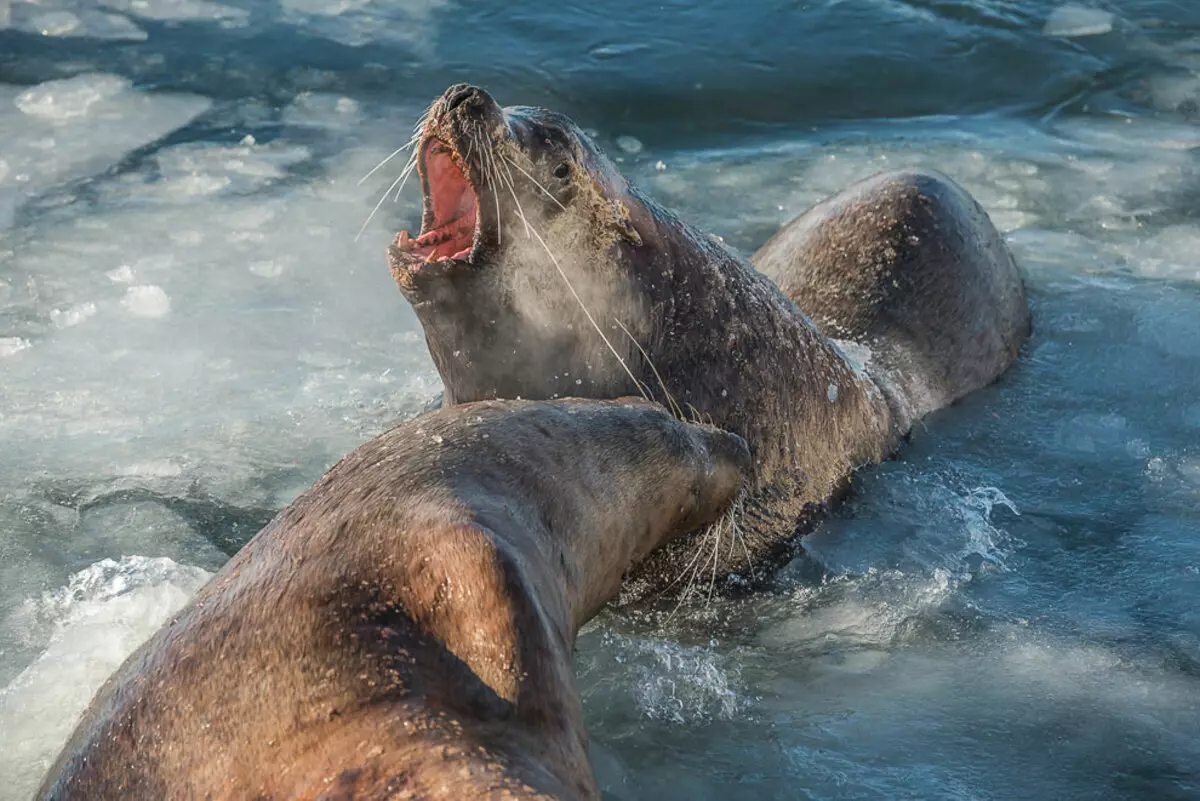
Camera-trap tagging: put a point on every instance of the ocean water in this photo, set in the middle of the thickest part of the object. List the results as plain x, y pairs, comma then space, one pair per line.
190, 333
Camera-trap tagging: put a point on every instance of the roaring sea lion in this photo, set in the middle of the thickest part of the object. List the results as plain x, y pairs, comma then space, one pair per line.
542, 272
405, 628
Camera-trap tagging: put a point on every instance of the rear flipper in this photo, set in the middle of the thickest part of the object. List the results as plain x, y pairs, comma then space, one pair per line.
908, 268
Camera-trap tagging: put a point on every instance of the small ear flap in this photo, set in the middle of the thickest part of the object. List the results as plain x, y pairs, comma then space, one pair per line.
625, 224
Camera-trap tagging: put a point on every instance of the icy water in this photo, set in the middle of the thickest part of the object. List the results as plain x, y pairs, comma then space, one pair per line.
190, 334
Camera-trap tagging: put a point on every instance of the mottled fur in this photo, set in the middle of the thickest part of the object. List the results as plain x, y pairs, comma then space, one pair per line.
405, 628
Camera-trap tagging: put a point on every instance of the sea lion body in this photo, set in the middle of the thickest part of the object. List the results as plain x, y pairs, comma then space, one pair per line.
575, 282
405, 628
908, 268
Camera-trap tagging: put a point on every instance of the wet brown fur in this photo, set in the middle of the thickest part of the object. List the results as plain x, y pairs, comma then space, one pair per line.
405, 628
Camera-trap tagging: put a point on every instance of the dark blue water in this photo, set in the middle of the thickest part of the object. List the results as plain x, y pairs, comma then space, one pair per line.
190, 334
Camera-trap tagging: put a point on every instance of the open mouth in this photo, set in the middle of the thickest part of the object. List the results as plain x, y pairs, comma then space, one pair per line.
451, 218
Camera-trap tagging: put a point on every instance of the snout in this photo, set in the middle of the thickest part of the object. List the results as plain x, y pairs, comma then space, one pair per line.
463, 101
732, 451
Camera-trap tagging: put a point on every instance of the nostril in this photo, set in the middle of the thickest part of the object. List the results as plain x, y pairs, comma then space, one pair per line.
459, 94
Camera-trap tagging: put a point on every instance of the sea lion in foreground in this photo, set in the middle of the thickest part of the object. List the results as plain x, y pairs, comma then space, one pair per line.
542, 272
405, 628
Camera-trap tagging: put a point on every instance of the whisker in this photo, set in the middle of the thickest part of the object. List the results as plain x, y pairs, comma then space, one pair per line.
513, 191
712, 583
531, 231
687, 590
399, 181
535, 182
416, 138
494, 183
408, 169
584, 307
676, 409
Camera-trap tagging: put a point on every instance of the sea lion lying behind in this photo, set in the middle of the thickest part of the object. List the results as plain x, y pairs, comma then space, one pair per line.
405, 628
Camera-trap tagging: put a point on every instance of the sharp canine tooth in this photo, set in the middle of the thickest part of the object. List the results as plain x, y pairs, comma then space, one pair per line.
404, 241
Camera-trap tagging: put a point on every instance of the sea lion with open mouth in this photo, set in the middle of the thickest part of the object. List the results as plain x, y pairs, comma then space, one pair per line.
542, 272
405, 628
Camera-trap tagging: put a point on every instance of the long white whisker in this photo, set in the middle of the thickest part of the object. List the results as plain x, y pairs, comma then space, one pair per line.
513, 191
408, 170
416, 138
587, 313
493, 174
687, 590
676, 409
399, 181
717, 529
535, 183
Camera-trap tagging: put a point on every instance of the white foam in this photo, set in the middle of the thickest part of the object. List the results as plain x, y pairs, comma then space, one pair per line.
98, 619
11, 346
73, 315
1168, 253
121, 275
676, 683
146, 300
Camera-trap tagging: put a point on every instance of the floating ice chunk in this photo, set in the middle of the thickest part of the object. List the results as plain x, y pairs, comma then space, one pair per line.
98, 619
629, 144
174, 10
71, 97
70, 20
201, 169
267, 269
56, 23
146, 300
1174, 92
323, 110
10, 346
324, 8
121, 275
66, 128
65, 318
1074, 21
162, 468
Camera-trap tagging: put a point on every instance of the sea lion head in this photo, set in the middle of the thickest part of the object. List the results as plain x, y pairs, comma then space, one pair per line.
519, 275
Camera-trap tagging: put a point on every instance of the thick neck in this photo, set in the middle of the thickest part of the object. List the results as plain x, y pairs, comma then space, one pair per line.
730, 346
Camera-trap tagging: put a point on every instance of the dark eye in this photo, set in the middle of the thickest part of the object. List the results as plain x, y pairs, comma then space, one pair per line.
562, 170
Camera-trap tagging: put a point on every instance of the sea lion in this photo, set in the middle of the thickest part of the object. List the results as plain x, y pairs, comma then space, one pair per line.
542, 272
883, 265
405, 628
